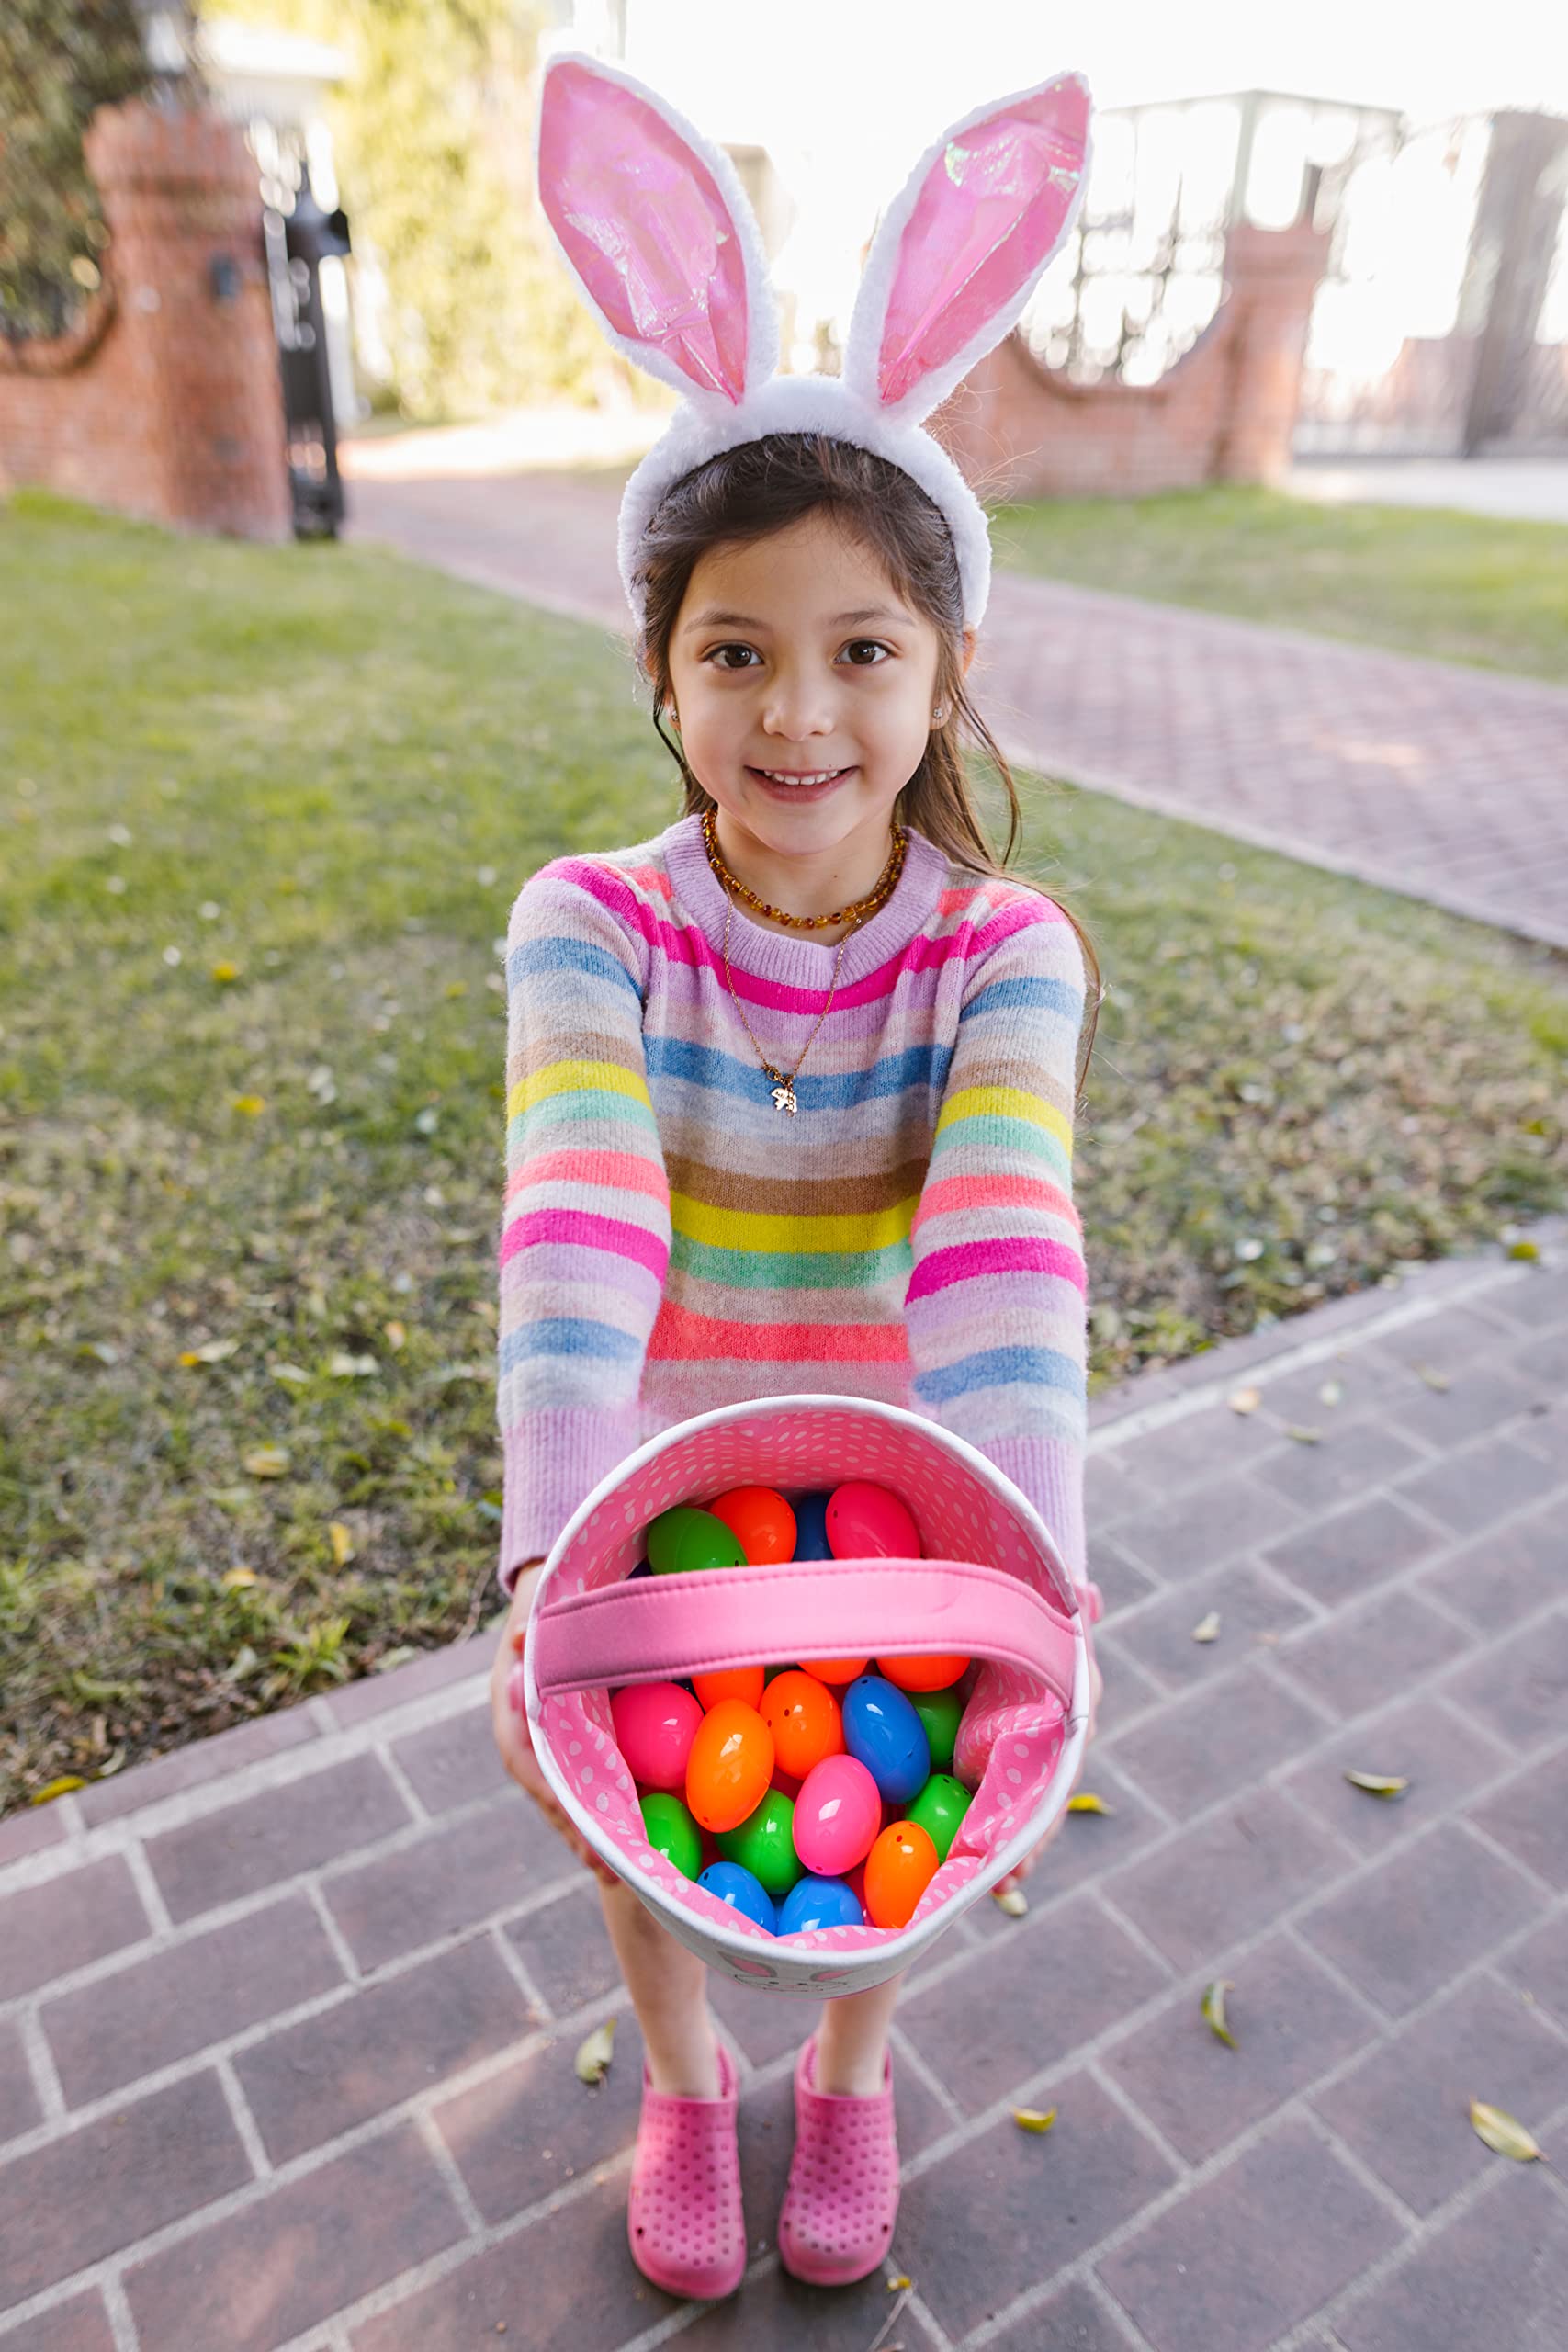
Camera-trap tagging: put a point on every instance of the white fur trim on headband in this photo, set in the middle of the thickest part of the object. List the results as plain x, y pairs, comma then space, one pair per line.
805, 404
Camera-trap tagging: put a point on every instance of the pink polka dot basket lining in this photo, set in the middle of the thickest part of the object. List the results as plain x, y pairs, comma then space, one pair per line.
1014, 1749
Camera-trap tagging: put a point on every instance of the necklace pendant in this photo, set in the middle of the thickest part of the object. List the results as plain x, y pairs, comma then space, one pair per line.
784, 1098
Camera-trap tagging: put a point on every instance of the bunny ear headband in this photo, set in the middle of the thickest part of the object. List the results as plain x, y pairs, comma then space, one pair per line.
654, 225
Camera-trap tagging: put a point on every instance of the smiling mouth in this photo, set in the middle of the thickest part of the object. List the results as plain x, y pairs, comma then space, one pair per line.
800, 776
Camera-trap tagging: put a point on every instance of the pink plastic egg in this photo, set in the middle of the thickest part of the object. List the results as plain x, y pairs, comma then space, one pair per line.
867, 1523
837, 1815
655, 1725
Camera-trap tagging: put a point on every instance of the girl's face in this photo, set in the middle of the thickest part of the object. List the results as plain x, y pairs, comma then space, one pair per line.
794, 654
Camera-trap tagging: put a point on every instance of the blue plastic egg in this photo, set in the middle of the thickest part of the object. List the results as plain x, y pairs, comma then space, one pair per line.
819, 1903
735, 1886
811, 1525
885, 1734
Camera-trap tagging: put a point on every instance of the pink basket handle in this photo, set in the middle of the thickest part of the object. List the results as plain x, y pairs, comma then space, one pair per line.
661, 1628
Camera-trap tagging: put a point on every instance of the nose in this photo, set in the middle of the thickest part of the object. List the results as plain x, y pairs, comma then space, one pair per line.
798, 710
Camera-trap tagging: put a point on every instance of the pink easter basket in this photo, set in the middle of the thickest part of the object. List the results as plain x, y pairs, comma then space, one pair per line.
991, 1586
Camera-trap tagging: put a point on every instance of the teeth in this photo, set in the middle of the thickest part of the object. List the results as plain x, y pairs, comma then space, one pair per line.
776, 776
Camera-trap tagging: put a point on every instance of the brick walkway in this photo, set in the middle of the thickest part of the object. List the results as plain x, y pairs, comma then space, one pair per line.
287, 2019
1445, 783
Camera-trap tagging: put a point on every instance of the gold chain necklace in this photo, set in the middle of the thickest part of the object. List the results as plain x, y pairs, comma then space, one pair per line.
886, 882
783, 1083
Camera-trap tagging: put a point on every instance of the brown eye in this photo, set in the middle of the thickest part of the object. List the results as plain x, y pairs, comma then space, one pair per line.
875, 646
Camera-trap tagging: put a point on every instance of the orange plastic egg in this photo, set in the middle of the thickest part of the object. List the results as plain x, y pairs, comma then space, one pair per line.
834, 1670
933, 1673
804, 1719
761, 1522
898, 1869
743, 1682
729, 1766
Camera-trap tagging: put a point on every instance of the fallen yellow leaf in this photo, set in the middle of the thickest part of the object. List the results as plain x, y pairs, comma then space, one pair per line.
67, 1781
1376, 1784
1207, 1629
1213, 2009
343, 1543
1244, 1400
250, 1105
266, 1462
1030, 2118
593, 2057
1084, 1801
213, 1353
1015, 1902
396, 1335
236, 1579
1503, 2132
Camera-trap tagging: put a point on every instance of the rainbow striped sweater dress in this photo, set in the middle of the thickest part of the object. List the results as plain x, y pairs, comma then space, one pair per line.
672, 1241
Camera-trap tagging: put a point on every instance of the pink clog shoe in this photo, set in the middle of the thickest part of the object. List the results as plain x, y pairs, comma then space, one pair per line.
837, 2219
685, 2223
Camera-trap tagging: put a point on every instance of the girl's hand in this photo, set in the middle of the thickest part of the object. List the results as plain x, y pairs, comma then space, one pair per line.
511, 1726
1021, 1869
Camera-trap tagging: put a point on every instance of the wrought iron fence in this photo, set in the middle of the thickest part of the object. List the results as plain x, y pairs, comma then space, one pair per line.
1441, 326
1144, 272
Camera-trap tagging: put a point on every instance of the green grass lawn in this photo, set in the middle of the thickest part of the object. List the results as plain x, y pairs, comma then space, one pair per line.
1459, 587
264, 811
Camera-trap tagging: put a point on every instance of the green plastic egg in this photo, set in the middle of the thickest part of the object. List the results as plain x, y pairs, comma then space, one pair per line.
672, 1832
940, 1808
764, 1844
684, 1539
939, 1711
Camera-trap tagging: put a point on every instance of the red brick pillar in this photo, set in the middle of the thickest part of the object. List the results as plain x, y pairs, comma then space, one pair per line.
202, 434
1273, 275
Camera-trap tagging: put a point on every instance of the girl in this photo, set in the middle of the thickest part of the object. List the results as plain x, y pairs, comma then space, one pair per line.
790, 1097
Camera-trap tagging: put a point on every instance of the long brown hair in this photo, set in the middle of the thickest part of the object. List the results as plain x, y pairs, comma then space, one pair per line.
764, 486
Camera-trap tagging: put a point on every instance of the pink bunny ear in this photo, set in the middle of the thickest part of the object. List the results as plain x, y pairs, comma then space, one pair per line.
959, 253
654, 224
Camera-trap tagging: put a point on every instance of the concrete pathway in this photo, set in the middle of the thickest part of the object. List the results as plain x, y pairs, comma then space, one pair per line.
286, 2019
1445, 783
1522, 490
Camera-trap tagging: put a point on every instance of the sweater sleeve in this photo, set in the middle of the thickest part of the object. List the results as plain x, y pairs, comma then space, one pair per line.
996, 1300
585, 1235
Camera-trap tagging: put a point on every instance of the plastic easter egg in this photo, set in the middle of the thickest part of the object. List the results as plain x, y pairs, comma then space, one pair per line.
803, 1715
933, 1672
940, 1808
819, 1903
730, 1765
811, 1525
764, 1844
837, 1815
883, 1730
730, 1682
684, 1539
834, 1670
867, 1523
898, 1869
655, 1725
735, 1886
761, 1521
941, 1712
672, 1832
